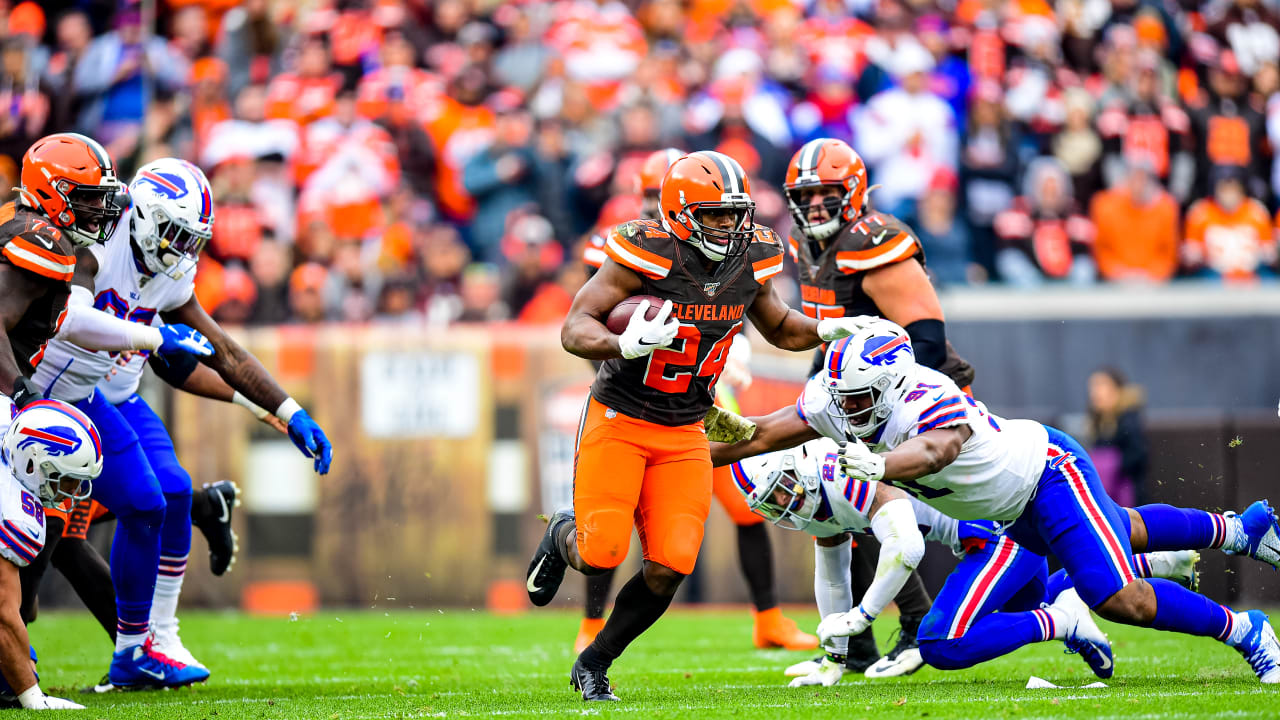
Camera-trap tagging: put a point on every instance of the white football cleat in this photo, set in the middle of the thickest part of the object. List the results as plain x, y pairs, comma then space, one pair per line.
1083, 634
168, 643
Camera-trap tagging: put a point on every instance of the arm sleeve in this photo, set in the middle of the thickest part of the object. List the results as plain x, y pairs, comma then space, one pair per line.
901, 548
96, 330
174, 369
833, 585
929, 341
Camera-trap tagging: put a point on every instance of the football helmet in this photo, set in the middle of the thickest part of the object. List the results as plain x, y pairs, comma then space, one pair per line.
826, 161
49, 441
874, 362
172, 215
708, 181
71, 179
784, 487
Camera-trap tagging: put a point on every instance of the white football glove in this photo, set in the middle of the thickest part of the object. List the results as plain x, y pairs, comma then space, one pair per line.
33, 699
644, 336
727, 427
835, 328
827, 674
843, 625
859, 462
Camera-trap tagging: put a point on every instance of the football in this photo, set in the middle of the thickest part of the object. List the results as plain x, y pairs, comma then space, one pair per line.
621, 313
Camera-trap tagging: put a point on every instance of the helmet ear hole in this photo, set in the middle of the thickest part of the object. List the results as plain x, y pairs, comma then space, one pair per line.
31, 466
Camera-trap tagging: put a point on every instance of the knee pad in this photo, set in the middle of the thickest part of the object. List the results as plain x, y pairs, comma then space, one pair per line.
678, 548
604, 536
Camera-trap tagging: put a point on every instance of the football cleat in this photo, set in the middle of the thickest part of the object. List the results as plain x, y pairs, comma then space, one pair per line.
587, 632
903, 659
1183, 569
168, 643
546, 569
213, 517
104, 686
862, 654
594, 684
773, 629
1260, 648
144, 666
1262, 532
1083, 634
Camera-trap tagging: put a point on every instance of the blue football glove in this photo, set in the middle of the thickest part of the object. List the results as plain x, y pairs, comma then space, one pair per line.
311, 440
179, 338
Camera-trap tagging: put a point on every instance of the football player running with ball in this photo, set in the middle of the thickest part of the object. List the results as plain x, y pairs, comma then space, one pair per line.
643, 458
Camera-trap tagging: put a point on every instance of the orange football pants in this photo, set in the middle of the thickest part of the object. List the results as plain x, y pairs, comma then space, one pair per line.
631, 472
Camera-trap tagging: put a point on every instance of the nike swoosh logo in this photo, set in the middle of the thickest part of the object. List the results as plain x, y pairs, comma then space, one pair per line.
1106, 663
879, 238
226, 511
529, 583
642, 342
152, 673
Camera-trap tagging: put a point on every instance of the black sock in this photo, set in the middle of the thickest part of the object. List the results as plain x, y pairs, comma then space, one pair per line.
202, 507
598, 594
913, 602
634, 610
755, 556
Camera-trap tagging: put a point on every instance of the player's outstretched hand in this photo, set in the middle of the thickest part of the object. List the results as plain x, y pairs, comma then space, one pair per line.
859, 463
644, 336
843, 625
184, 339
827, 674
57, 703
727, 427
311, 440
835, 328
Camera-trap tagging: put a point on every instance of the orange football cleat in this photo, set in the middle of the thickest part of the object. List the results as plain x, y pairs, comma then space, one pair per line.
773, 629
586, 633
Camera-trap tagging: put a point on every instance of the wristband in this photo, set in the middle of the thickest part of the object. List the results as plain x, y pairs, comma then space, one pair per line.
249, 405
865, 614
32, 698
287, 410
145, 337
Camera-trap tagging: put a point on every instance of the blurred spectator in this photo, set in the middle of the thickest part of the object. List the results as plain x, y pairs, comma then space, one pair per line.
1137, 228
310, 91
557, 196
239, 296
1044, 236
534, 257
945, 239
1228, 130
251, 43
1036, 79
117, 77
523, 58
1147, 121
269, 268
1251, 29
1118, 442
988, 168
459, 127
306, 292
906, 133
1229, 235
501, 178
21, 94
1078, 146
74, 34
238, 226
249, 133
481, 295
443, 258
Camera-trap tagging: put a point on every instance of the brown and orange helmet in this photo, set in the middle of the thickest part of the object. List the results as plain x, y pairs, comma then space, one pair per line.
708, 180
826, 161
71, 179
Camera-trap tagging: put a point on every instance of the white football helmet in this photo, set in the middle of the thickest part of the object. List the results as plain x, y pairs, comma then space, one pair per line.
783, 487
873, 362
49, 441
172, 215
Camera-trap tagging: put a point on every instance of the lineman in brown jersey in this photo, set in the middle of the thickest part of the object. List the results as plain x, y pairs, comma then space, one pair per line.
853, 261
69, 198
642, 458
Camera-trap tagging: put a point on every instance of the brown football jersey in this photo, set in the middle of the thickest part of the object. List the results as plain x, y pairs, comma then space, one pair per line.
831, 278
675, 385
29, 243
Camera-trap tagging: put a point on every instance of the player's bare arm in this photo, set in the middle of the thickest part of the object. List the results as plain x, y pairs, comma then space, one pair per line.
233, 363
15, 660
925, 454
583, 332
780, 324
778, 430
18, 290
903, 292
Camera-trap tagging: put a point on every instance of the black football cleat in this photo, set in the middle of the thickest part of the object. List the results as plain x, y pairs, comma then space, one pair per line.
546, 569
594, 684
211, 512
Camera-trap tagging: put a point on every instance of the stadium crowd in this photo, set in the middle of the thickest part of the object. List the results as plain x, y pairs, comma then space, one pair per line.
443, 161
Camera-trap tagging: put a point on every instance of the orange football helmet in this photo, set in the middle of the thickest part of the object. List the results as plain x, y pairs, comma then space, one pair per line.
826, 161
652, 171
71, 179
698, 185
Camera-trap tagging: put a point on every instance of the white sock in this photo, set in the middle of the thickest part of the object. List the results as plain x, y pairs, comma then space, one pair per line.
164, 604
1240, 628
1061, 621
126, 641
1237, 539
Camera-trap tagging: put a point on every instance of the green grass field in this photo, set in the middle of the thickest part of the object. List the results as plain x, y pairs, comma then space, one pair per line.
693, 663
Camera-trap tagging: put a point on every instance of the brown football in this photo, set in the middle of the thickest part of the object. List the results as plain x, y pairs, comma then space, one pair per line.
621, 313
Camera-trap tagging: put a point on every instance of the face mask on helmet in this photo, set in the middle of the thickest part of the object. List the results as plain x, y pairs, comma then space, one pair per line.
723, 230
834, 200
788, 499
168, 246
53, 454
97, 210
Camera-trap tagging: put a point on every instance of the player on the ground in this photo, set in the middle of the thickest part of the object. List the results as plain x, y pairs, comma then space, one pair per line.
144, 274
805, 489
770, 628
50, 453
642, 457
853, 260
905, 424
